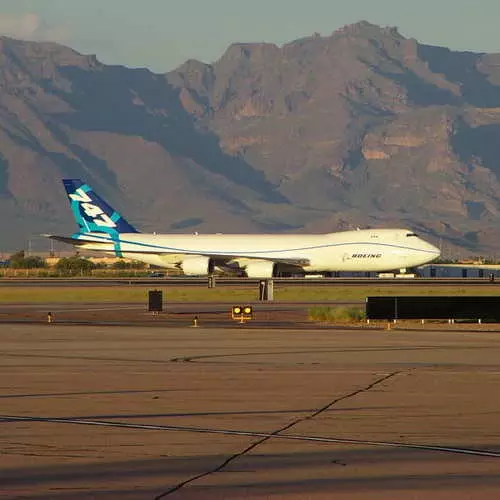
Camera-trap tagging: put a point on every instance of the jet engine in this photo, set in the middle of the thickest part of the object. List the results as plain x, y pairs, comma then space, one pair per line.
260, 269
197, 266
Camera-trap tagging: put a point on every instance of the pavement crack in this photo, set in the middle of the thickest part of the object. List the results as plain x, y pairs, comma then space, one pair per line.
263, 440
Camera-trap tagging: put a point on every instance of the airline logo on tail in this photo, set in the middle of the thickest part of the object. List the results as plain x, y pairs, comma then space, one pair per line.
92, 211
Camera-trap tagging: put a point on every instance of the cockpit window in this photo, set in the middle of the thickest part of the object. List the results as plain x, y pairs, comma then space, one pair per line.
409, 235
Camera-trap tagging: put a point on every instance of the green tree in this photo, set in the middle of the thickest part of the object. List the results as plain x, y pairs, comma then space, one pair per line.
16, 259
122, 264
34, 262
75, 265
20, 261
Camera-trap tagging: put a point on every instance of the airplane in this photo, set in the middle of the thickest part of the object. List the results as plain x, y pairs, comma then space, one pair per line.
103, 229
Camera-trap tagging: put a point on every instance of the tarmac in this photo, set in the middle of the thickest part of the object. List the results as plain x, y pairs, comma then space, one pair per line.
113, 412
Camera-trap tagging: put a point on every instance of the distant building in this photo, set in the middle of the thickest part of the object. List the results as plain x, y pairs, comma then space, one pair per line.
459, 270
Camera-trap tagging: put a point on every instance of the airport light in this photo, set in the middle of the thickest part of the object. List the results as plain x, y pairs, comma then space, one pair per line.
242, 313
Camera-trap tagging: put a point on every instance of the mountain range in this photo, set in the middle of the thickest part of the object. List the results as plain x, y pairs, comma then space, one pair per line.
363, 128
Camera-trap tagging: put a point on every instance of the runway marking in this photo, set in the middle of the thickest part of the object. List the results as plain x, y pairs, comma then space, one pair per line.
278, 434
83, 358
84, 393
263, 436
133, 307
203, 357
230, 432
215, 357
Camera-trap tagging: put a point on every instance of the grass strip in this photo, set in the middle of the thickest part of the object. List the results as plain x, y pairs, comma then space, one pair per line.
337, 314
235, 294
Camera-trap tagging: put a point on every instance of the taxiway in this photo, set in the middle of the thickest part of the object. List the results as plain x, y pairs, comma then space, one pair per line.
100, 412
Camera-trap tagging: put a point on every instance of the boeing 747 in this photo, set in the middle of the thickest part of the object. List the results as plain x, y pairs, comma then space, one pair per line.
103, 229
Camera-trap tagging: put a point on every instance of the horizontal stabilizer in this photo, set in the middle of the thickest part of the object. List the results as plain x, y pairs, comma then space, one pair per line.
65, 239
96, 245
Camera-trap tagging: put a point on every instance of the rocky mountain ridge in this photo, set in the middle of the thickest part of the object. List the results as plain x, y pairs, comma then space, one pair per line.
363, 127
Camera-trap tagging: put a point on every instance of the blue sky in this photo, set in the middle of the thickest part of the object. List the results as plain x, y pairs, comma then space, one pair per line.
161, 34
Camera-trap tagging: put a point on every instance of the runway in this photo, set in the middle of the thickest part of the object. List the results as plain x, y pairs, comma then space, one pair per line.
148, 413
243, 282
293, 315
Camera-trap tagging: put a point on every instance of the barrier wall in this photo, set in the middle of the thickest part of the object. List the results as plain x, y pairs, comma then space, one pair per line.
439, 307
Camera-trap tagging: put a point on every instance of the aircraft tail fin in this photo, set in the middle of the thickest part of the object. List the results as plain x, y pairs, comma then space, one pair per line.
91, 212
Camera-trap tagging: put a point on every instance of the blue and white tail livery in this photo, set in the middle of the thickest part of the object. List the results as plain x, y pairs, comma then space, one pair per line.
91, 212
103, 229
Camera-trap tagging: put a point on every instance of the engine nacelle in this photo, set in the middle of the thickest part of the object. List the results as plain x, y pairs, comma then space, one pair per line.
260, 269
197, 266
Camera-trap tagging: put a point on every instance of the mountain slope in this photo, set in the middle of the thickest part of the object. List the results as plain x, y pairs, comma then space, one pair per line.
363, 127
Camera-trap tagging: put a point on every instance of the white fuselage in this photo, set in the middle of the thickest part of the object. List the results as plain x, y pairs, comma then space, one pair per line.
362, 250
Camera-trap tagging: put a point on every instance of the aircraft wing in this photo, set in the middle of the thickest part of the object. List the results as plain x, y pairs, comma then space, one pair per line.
218, 258
242, 259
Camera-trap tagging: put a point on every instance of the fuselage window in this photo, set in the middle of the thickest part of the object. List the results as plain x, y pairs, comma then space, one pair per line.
409, 235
